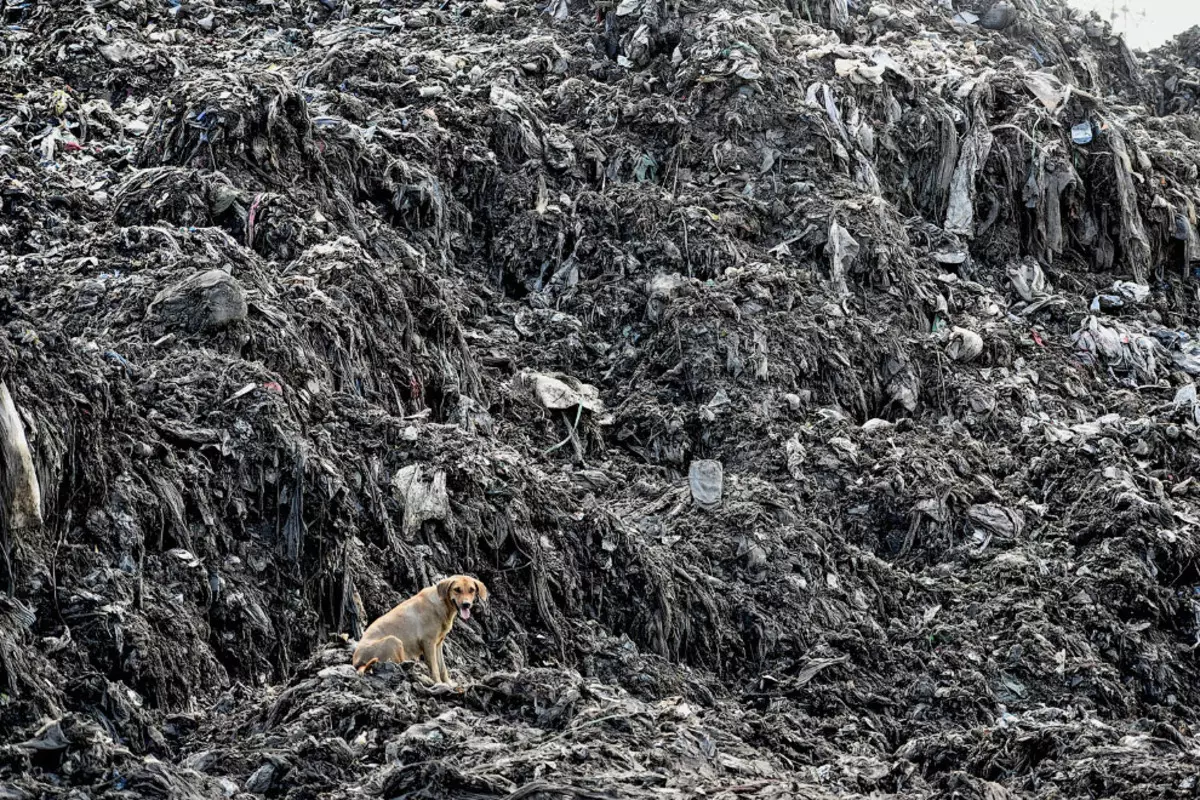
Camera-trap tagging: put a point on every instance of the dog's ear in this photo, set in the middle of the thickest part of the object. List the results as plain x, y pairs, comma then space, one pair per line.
443, 588
481, 589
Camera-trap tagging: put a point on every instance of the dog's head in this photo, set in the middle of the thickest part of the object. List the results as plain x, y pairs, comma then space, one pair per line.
462, 592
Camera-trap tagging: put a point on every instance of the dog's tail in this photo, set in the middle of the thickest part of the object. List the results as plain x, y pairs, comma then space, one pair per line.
370, 652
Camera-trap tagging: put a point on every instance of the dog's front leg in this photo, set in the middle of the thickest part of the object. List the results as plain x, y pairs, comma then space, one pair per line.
433, 657
441, 648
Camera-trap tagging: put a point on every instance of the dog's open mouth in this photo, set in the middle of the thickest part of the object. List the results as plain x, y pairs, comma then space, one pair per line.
464, 612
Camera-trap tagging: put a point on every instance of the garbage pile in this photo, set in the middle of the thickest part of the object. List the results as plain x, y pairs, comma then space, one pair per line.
811, 383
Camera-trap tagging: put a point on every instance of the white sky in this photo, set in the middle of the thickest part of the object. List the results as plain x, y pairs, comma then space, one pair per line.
1150, 22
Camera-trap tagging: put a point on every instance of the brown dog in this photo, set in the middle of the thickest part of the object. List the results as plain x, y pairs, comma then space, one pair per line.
418, 626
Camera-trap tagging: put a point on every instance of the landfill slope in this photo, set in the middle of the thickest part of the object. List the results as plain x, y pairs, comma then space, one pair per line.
811, 384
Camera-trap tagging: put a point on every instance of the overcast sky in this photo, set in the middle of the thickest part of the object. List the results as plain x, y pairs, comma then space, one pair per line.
1151, 22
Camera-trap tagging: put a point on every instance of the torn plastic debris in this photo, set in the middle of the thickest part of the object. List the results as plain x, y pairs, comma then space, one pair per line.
422, 501
1116, 347
990, 519
24, 491
1183, 350
999, 16
554, 393
1030, 283
960, 213
1185, 232
707, 480
858, 72
1106, 303
1131, 291
964, 345
1185, 396
950, 257
1185, 400
1048, 89
1120, 293
208, 300
842, 249
1081, 133
1188, 360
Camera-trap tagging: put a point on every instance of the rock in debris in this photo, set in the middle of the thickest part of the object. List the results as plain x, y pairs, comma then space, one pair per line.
206, 301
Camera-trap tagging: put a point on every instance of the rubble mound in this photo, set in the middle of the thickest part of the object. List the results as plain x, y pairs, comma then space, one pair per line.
811, 383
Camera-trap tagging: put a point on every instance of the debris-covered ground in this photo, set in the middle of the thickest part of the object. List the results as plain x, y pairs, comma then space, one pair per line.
811, 383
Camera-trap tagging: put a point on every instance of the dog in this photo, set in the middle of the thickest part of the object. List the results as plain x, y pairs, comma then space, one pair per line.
418, 626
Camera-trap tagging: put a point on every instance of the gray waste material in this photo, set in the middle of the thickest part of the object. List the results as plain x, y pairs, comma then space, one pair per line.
746, 351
